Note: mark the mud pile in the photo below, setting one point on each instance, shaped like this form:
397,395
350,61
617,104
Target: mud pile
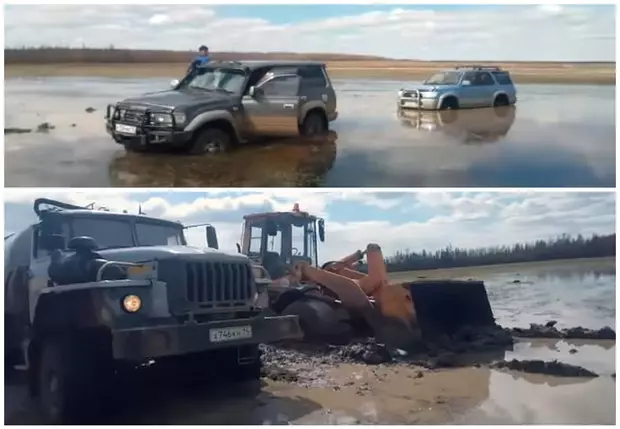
554,367
549,330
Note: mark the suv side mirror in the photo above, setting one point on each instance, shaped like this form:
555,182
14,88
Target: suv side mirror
322,230
211,237
174,83
466,83
53,242
255,92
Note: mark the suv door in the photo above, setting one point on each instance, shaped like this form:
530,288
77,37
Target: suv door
316,87
485,87
275,107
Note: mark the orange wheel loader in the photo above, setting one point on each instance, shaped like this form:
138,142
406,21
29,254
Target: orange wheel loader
335,302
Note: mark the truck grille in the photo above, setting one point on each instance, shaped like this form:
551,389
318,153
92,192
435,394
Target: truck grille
218,284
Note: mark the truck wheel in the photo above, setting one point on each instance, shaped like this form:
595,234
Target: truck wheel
210,141
320,321
71,380
313,125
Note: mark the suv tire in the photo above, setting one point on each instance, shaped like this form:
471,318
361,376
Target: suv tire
70,380
313,125
450,103
210,141
500,101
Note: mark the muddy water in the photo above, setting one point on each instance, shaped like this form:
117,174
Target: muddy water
557,136
324,392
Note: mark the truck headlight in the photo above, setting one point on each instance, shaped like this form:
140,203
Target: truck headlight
132,303
161,119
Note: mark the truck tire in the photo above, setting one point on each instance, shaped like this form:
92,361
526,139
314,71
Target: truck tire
314,125
210,141
320,321
71,380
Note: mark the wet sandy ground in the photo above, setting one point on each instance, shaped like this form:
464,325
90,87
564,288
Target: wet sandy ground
384,394
557,136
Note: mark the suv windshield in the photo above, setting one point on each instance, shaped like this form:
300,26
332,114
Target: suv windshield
215,79
444,78
117,233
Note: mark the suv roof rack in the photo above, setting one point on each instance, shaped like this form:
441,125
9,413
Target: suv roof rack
478,67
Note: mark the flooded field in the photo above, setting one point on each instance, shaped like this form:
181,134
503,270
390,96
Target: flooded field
559,135
323,392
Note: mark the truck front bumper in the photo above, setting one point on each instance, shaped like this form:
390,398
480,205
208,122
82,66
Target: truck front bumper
138,344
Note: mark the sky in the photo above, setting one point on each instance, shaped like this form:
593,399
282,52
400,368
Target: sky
354,218
427,32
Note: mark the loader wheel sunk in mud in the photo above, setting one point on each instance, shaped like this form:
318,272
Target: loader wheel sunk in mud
320,321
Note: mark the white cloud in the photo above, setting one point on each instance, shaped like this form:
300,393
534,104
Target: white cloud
543,32
461,219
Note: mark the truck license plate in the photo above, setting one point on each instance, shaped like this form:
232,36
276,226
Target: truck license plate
218,335
126,129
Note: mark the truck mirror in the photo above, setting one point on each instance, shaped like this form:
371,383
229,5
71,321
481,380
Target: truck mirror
272,228
53,242
212,237
322,230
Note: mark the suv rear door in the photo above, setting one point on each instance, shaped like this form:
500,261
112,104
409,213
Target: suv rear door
316,86
275,107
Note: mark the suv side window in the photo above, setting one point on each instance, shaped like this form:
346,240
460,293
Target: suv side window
312,76
503,78
281,86
483,79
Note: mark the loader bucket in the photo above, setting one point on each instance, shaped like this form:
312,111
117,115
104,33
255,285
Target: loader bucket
444,306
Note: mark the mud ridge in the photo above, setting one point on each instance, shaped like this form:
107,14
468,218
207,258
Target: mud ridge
558,369
549,330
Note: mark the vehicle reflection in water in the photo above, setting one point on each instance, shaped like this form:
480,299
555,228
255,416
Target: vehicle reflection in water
467,126
280,163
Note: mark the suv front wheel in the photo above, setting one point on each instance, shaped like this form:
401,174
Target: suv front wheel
210,141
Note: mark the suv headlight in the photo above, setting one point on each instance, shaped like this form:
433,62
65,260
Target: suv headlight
109,113
431,94
160,119
179,118
401,92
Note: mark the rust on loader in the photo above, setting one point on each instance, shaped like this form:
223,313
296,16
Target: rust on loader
336,301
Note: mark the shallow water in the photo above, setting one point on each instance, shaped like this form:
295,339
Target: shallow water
559,135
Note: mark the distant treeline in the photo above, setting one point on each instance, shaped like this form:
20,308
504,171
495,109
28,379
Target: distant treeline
50,55
563,247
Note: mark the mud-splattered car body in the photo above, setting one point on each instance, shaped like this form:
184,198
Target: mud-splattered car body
461,87
143,294
242,100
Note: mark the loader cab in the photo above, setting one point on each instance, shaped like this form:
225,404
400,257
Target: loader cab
278,240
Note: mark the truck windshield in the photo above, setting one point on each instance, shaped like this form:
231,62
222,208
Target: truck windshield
444,78
118,233
216,79
151,234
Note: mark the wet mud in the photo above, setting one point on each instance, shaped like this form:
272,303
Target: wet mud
550,331
540,143
555,368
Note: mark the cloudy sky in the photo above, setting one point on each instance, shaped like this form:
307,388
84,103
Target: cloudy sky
430,32
396,220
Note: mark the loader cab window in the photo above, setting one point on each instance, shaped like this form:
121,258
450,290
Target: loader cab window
256,239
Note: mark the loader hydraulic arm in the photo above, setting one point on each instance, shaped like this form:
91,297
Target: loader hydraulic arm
358,291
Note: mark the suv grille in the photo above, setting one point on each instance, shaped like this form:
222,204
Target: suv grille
218,284
132,116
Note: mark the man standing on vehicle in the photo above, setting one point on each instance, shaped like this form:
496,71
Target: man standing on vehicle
201,59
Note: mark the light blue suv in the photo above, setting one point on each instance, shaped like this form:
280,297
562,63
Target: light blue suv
461,87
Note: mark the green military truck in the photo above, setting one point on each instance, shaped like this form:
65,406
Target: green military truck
89,293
